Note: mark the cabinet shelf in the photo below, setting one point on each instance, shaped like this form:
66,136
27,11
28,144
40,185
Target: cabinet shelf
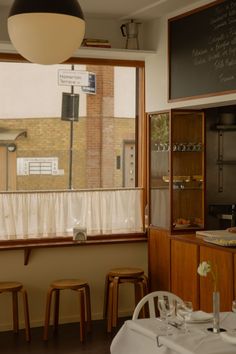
187,152
187,189
226,162
226,127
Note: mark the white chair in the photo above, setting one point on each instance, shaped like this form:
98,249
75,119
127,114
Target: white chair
151,299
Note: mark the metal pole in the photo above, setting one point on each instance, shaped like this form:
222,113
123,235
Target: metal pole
71,145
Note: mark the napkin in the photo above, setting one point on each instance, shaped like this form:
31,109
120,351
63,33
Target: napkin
199,316
229,336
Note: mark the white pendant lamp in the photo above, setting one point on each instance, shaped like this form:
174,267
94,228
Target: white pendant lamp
46,31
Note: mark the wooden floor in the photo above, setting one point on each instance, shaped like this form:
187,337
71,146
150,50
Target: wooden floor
65,342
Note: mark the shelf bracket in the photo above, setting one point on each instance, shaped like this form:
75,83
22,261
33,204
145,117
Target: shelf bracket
27,252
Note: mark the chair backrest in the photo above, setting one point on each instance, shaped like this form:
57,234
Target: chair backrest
150,299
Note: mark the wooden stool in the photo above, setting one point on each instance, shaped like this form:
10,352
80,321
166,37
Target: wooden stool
14,288
113,279
82,288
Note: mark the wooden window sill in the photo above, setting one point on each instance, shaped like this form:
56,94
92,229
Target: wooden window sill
29,244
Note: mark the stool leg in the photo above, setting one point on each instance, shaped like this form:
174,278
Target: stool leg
82,315
115,301
15,311
56,309
47,313
88,308
145,310
106,295
110,307
138,291
145,284
26,314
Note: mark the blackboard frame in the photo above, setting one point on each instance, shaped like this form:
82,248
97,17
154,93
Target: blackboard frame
172,97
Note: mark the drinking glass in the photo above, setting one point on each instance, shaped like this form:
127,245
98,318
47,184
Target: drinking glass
184,311
234,306
166,309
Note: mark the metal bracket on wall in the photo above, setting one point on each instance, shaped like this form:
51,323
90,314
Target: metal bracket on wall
220,161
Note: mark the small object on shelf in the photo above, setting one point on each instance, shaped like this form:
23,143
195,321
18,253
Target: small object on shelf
130,31
181,223
97,43
226,127
191,222
181,226
187,147
227,118
197,178
166,179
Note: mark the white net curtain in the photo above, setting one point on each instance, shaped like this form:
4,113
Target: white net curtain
49,214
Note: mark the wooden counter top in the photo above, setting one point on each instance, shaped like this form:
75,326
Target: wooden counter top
191,238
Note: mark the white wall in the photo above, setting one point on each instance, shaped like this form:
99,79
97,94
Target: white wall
124,92
85,262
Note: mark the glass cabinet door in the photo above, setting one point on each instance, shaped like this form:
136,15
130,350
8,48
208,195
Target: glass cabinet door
159,170
176,158
187,169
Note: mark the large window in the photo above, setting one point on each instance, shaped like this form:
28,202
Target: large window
56,151
71,148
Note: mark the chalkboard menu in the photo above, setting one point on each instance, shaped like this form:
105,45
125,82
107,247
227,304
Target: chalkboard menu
202,51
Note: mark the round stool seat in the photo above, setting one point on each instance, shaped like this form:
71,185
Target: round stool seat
68,284
10,286
126,272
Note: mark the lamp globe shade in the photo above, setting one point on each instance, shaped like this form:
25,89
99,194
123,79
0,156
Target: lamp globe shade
46,31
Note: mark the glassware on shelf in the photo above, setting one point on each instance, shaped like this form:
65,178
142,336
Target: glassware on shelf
187,147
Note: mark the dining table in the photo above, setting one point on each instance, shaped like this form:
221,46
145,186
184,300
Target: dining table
151,336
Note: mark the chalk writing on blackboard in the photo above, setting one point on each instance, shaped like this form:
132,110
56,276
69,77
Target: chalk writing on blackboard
203,51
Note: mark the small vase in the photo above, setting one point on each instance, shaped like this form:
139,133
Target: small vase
216,312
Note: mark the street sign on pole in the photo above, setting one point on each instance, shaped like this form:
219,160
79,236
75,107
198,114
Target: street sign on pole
73,77
82,78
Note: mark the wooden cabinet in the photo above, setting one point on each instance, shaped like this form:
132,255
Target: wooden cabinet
177,169
224,262
159,259
184,278
173,262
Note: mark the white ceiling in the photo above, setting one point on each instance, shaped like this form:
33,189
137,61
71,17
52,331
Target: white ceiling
126,9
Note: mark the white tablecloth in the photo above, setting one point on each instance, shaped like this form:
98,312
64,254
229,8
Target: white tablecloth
143,336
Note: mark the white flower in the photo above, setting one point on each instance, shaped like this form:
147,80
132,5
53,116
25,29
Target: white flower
204,268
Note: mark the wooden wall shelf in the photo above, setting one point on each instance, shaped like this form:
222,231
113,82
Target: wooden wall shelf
29,245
